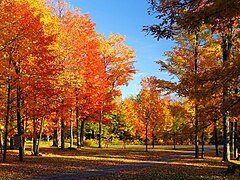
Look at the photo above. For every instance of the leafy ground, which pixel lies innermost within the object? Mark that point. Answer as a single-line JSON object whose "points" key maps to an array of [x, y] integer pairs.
{"points": [[114, 163]]}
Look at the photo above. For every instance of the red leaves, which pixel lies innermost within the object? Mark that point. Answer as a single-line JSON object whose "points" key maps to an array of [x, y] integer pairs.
{"points": [[57, 62]]}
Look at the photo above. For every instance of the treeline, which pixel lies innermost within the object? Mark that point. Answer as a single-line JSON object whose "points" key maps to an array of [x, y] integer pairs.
{"points": [[205, 63], [56, 71], [59, 78]]}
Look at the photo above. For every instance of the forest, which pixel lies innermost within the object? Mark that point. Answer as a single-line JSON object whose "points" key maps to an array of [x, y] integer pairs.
{"points": [[60, 79]]}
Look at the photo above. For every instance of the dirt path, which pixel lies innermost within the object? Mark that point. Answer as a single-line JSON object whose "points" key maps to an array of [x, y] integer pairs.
{"points": [[108, 170]]}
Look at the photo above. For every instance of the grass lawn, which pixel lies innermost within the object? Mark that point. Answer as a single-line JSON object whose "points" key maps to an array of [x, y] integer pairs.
{"points": [[57, 162]]}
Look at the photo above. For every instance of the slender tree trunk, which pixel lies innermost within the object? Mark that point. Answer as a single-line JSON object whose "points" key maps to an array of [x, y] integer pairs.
{"points": [[203, 143], [92, 135], [24, 125], [40, 135], [55, 137], [226, 48], [174, 140], [77, 120], [153, 140], [174, 132], [100, 130], [34, 148], [236, 135], [78, 128], [19, 121], [71, 134], [62, 134], [11, 144], [1, 142], [226, 146], [71, 129], [196, 106], [196, 133], [82, 131], [233, 146], [7, 120], [236, 140], [216, 138], [231, 137], [146, 135]]}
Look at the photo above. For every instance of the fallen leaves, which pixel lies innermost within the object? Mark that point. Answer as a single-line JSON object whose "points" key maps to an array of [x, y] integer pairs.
{"points": [[128, 163]]}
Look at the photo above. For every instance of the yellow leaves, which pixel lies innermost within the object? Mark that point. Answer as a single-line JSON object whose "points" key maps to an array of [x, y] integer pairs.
{"points": [[118, 59], [116, 38]]}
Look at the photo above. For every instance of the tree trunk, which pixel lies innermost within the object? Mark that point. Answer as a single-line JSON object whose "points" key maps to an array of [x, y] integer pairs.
{"points": [[203, 143], [11, 144], [92, 135], [196, 133], [55, 138], [7, 120], [226, 146], [196, 106], [235, 148], [236, 135], [82, 131], [71, 134], [146, 135], [231, 137], [77, 119], [24, 125], [62, 135], [40, 135], [153, 140], [226, 49], [34, 148], [100, 130], [1, 142], [174, 140], [78, 128], [19, 121], [216, 138]]}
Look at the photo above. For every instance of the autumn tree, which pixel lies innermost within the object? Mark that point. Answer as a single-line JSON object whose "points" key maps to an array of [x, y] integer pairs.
{"points": [[131, 117], [221, 16], [118, 61], [25, 47], [56, 67], [150, 107]]}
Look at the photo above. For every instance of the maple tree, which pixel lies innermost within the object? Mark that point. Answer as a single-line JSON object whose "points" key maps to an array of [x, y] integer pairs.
{"points": [[220, 16], [55, 67], [151, 109], [26, 48], [131, 117], [118, 61], [202, 86], [175, 15]]}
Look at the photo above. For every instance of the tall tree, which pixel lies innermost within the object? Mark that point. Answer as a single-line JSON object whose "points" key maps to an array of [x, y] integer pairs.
{"points": [[221, 16], [150, 107], [118, 60]]}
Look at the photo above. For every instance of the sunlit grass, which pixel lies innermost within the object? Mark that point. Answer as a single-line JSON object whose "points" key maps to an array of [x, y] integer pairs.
{"points": [[94, 158], [199, 164]]}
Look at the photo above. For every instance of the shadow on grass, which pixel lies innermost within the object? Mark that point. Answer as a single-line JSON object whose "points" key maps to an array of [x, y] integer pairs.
{"points": [[59, 162], [172, 171]]}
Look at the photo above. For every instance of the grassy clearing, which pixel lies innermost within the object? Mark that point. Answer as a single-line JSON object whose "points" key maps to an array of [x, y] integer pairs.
{"points": [[56, 162]]}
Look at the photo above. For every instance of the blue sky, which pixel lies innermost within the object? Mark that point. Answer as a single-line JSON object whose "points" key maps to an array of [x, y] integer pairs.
{"points": [[127, 17]]}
